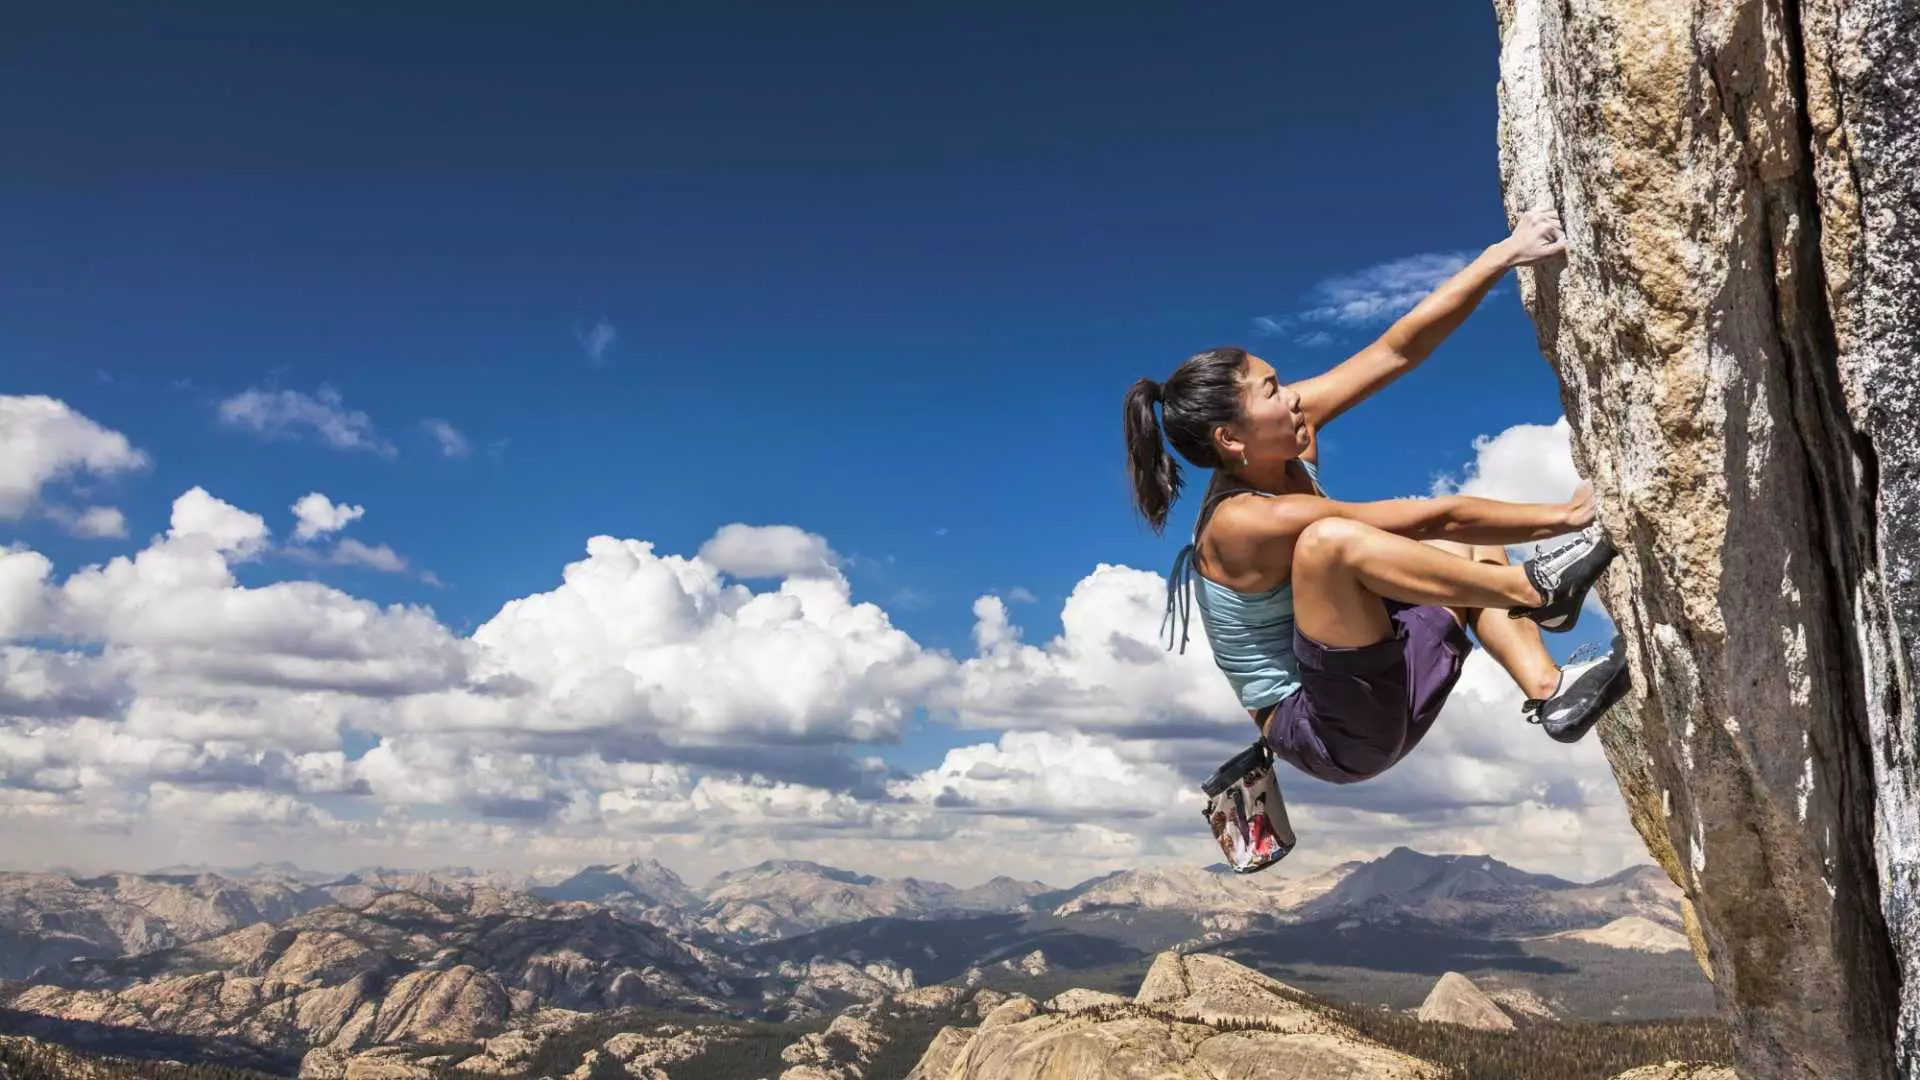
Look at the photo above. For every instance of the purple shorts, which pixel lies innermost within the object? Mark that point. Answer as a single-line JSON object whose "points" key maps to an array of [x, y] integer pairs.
{"points": [[1358, 711]]}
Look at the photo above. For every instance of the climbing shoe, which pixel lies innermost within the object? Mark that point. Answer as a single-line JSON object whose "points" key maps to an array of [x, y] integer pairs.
{"points": [[1589, 685], [1564, 576]]}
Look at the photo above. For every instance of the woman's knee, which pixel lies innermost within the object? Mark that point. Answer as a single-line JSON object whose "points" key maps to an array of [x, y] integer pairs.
{"points": [[1328, 541]]}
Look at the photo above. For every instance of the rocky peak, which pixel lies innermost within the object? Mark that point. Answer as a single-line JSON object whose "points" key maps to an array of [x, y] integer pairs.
{"points": [[1456, 1000], [645, 881], [803, 867]]}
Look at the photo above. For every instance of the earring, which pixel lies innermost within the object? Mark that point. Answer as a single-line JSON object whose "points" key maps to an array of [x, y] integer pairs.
{"points": [[1243, 457]]}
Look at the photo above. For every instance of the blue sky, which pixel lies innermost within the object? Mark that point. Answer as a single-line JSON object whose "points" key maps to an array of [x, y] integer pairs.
{"points": [[881, 273]]}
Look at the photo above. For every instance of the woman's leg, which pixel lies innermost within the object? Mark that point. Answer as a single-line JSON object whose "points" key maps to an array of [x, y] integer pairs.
{"points": [[1515, 643], [1342, 569]]}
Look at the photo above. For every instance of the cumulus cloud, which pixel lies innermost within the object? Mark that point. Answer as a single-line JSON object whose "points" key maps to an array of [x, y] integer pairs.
{"points": [[1070, 776], [317, 515], [202, 522], [178, 603], [43, 440], [767, 551], [636, 643], [713, 709], [1524, 463], [93, 523], [1107, 670], [24, 600], [452, 443], [292, 414], [234, 807]]}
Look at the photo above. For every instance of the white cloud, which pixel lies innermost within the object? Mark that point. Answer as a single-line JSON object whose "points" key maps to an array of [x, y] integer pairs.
{"points": [[93, 523], [24, 610], [290, 413], [1068, 776], [767, 551], [43, 440], [318, 515], [1369, 298], [1524, 463], [452, 443], [596, 340], [654, 703], [237, 807], [351, 552], [176, 604], [1108, 670], [201, 521], [645, 646]]}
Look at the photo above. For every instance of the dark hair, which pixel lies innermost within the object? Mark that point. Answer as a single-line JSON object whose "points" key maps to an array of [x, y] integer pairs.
{"points": [[1202, 394]]}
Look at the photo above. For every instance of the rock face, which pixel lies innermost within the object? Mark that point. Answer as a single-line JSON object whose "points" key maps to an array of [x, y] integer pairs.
{"points": [[1455, 1000], [1734, 326], [1170, 1031]]}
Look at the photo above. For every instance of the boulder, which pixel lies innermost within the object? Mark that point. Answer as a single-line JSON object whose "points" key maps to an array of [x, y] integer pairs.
{"points": [[1734, 328]]}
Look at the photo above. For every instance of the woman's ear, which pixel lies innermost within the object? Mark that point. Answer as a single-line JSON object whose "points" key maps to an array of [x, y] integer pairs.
{"points": [[1227, 445]]}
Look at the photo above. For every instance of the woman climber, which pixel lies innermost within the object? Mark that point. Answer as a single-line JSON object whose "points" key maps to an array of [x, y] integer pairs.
{"points": [[1340, 625]]}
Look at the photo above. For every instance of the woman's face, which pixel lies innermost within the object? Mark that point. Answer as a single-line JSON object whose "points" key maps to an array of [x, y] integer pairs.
{"points": [[1271, 425]]}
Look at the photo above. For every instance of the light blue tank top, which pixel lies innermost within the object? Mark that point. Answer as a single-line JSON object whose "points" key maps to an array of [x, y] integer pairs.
{"points": [[1251, 633]]}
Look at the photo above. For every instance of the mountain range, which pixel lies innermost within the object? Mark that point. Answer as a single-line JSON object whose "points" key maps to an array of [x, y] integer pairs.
{"points": [[51, 918], [306, 975]]}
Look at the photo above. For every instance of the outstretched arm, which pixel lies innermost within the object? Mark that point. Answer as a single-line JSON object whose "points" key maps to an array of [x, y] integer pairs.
{"points": [[1464, 518], [1411, 339]]}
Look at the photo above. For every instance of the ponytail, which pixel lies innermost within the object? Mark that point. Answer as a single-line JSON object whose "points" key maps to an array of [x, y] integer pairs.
{"points": [[1202, 394], [1156, 475]]}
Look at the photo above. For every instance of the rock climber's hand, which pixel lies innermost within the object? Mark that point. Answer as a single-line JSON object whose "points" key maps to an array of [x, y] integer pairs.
{"points": [[1581, 509], [1537, 237]]}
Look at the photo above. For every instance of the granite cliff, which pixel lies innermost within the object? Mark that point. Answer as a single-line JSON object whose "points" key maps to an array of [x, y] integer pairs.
{"points": [[1734, 326]]}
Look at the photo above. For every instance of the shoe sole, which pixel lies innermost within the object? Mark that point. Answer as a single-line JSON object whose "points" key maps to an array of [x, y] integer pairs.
{"points": [[1610, 696]]}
